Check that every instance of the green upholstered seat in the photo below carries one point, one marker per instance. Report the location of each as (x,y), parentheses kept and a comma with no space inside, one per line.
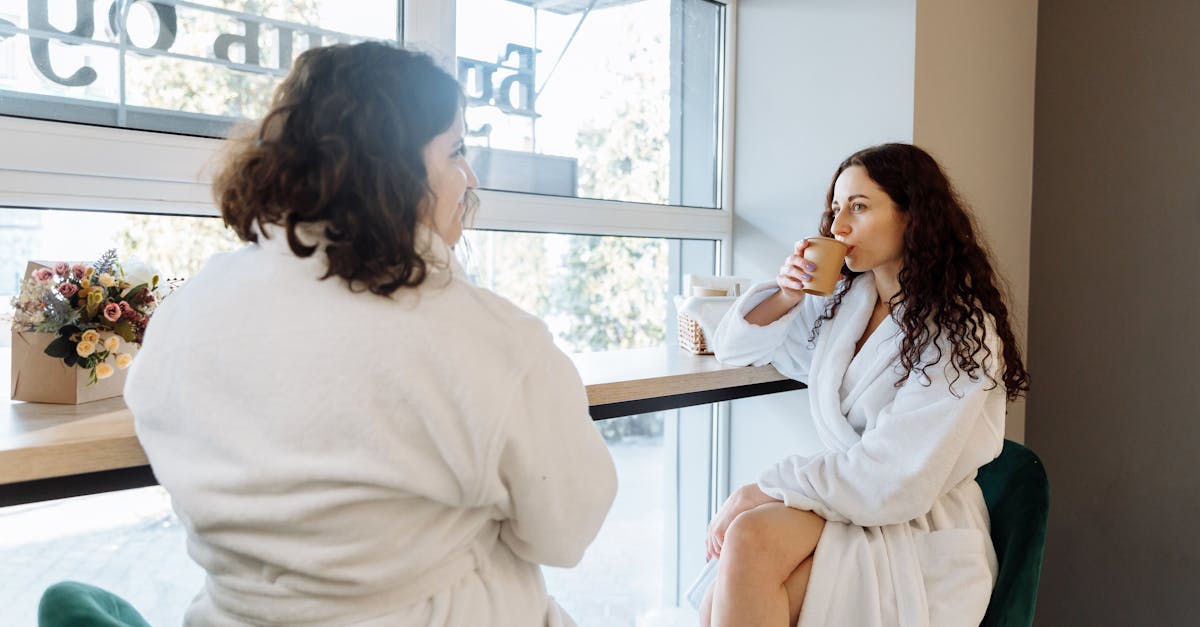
(74,604)
(1018,500)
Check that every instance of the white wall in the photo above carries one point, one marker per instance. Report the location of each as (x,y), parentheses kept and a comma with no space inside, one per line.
(819,79)
(816,80)
(973,111)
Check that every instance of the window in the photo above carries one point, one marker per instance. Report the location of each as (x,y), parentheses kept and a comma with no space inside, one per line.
(601,147)
(183,67)
(614,100)
(175,245)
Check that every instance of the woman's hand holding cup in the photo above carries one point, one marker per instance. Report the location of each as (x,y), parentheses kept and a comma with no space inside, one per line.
(796,270)
(795,273)
(800,275)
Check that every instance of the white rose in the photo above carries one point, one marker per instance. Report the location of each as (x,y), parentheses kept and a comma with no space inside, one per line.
(137,273)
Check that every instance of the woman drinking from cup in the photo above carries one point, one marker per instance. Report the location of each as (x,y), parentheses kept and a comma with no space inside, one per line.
(909,364)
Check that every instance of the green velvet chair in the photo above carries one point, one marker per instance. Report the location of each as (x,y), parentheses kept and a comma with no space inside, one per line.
(74,604)
(1018,500)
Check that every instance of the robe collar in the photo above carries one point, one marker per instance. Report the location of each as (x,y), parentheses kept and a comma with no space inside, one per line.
(439,258)
(442,264)
(831,358)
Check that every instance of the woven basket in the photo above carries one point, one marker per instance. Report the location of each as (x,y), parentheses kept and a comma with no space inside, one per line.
(691,336)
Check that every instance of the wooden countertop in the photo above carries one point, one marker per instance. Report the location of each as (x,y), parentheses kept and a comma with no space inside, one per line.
(40,441)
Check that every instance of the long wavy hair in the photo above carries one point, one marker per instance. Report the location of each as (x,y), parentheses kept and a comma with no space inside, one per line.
(948,288)
(342,146)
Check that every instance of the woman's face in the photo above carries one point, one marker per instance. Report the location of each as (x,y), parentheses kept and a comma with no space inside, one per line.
(450,178)
(866,219)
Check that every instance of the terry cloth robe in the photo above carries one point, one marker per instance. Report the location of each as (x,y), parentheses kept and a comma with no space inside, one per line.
(907,543)
(345,458)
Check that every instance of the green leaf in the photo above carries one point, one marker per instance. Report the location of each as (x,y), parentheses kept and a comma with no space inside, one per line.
(72,359)
(133,297)
(124,329)
(69,330)
(61,348)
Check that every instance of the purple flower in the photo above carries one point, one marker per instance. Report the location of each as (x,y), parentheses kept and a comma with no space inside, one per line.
(68,289)
(78,271)
(112,312)
(61,268)
(43,274)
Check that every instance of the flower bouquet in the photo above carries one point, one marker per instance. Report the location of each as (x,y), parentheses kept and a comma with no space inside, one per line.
(89,318)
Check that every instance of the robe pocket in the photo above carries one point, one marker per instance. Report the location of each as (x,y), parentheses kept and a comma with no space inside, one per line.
(958,581)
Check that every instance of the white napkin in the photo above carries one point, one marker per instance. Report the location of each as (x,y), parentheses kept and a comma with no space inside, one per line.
(708,574)
(707,311)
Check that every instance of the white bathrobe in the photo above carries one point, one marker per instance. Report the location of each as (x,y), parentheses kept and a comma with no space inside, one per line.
(907,541)
(344,458)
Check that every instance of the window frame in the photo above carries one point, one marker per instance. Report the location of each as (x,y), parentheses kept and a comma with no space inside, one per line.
(64,165)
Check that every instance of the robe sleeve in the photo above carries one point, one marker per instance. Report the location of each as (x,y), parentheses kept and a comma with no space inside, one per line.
(557,471)
(783,343)
(925,442)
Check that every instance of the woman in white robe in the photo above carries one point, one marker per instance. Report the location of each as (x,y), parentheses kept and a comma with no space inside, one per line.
(352,433)
(909,366)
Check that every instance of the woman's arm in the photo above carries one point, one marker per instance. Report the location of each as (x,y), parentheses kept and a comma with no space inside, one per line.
(771,323)
(792,274)
(774,307)
(925,442)
(554,465)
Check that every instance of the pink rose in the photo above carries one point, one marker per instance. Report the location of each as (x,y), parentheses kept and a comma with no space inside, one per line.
(61,268)
(112,312)
(43,274)
(68,289)
(126,310)
(78,271)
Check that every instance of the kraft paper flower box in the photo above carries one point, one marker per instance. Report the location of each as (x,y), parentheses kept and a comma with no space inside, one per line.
(40,378)
(76,328)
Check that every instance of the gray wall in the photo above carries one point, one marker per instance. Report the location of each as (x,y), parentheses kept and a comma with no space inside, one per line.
(1114,309)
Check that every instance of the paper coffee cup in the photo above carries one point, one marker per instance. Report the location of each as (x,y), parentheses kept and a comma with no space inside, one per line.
(828,254)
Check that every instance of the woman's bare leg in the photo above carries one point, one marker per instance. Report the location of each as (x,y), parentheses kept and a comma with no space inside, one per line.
(797,585)
(764,549)
(706,606)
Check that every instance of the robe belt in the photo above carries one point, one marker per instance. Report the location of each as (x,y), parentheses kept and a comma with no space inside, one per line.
(451,570)
(475,557)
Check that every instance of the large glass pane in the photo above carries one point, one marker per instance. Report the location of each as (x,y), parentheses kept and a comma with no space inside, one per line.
(187,67)
(595,293)
(175,245)
(610,99)
(126,542)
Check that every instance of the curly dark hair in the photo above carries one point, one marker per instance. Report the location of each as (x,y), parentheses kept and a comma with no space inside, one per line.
(342,146)
(947,285)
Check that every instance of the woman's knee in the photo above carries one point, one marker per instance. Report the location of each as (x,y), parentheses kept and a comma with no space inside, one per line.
(774,528)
